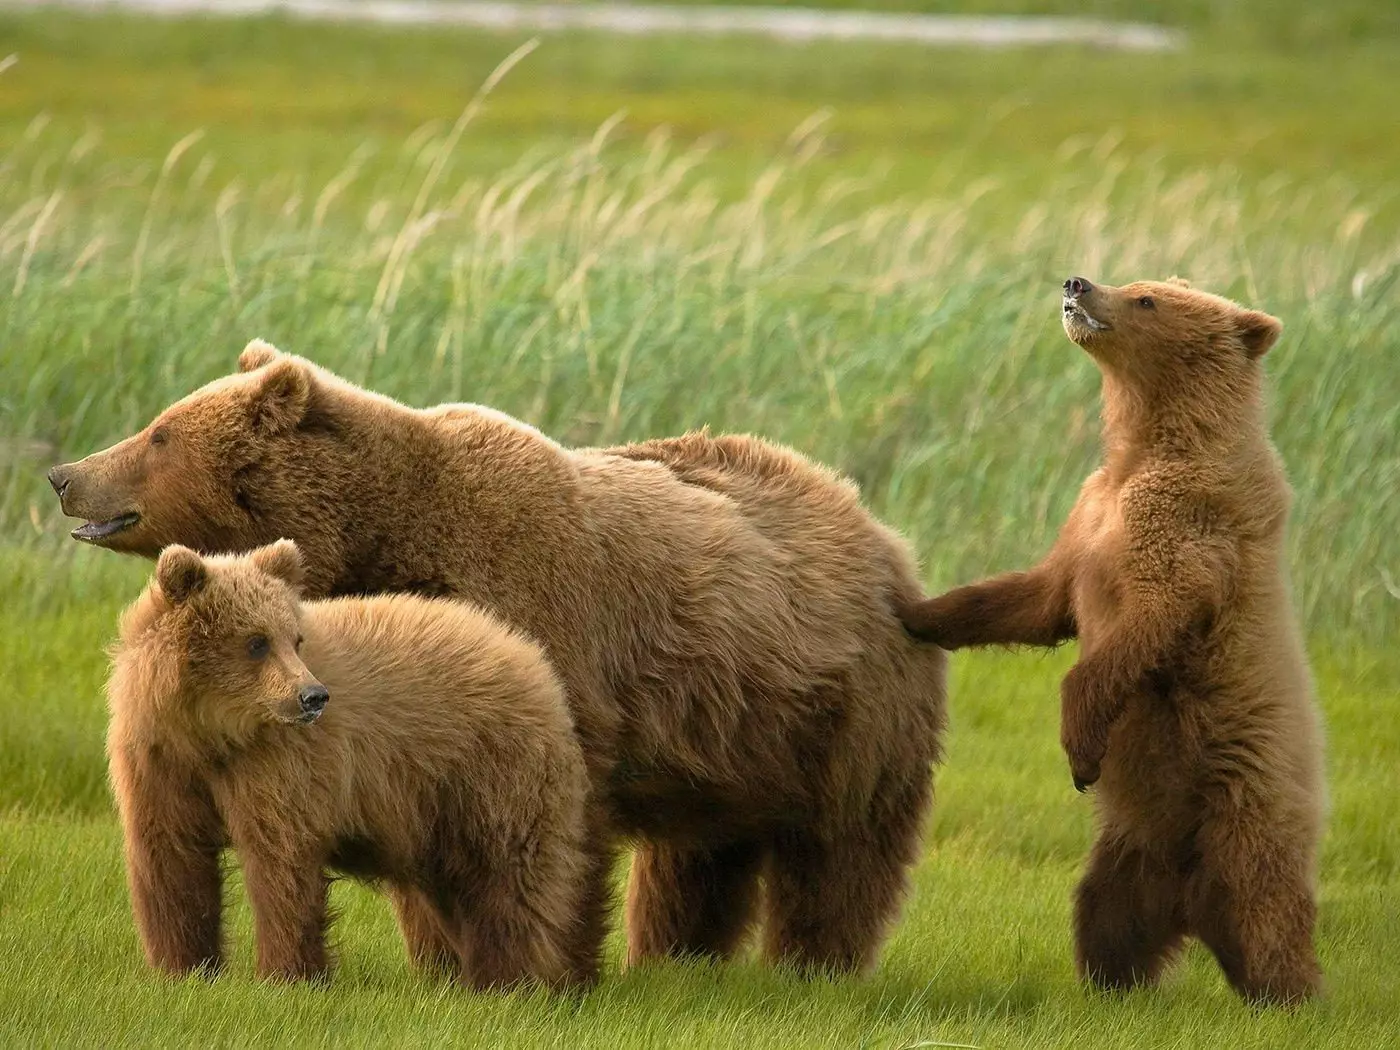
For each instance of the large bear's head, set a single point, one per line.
(1165, 336)
(191, 476)
(210, 652)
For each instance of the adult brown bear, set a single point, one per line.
(720, 610)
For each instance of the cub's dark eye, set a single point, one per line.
(159, 436)
(258, 646)
(299, 641)
(1146, 302)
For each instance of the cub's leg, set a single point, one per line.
(516, 911)
(691, 902)
(430, 943)
(173, 839)
(1129, 916)
(288, 897)
(595, 895)
(1253, 905)
(1016, 608)
(833, 892)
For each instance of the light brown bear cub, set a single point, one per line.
(1191, 705)
(411, 741)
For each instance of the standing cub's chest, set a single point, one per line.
(1095, 588)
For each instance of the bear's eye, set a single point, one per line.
(159, 436)
(258, 646)
(299, 641)
(1146, 302)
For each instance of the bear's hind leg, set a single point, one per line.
(833, 893)
(691, 902)
(595, 897)
(431, 947)
(1129, 916)
(517, 913)
(1252, 903)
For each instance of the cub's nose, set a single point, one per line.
(59, 480)
(312, 698)
(1077, 286)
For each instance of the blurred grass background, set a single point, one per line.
(855, 249)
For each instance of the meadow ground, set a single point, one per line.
(856, 250)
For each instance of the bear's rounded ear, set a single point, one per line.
(281, 559)
(1180, 282)
(180, 572)
(256, 354)
(281, 396)
(1257, 331)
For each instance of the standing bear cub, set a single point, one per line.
(414, 742)
(1191, 705)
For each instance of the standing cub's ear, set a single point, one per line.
(256, 354)
(180, 572)
(1257, 331)
(280, 559)
(280, 399)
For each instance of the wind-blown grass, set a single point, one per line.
(608, 299)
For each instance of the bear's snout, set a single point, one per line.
(312, 701)
(60, 479)
(1077, 286)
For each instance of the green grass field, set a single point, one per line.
(856, 250)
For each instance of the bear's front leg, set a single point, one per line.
(173, 839)
(1016, 608)
(1090, 703)
(288, 895)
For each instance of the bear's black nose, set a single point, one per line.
(1077, 286)
(58, 481)
(313, 698)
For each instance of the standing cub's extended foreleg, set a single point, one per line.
(1016, 608)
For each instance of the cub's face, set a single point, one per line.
(1154, 329)
(236, 625)
(188, 477)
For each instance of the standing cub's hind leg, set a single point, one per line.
(1252, 903)
(691, 902)
(1129, 916)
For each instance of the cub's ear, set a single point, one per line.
(1257, 331)
(281, 397)
(1180, 282)
(281, 559)
(180, 572)
(256, 354)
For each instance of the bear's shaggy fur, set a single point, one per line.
(1191, 704)
(431, 750)
(721, 612)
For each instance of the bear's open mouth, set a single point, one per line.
(1077, 315)
(101, 530)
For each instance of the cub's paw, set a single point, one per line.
(1083, 735)
(932, 621)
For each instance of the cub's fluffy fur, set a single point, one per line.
(1191, 706)
(414, 742)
